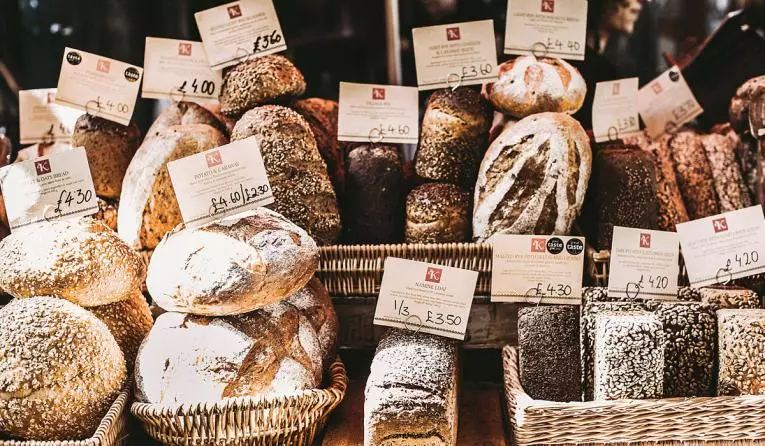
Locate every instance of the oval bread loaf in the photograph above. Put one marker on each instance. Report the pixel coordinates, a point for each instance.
(694, 174)
(314, 303)
(438, 213)
(321, 115)
(183, 113)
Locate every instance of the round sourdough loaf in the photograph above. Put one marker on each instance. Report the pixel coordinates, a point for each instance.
(60, 371)
(79, 260)
(129, 321)
(231, 266)
(182, 113)
(313, 302)
(528, 85)
(533, 178)
(438, 213)
(321, 115)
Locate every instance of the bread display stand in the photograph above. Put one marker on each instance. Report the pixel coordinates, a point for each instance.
(724, 420)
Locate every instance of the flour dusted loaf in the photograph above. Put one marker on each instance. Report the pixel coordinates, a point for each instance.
(60, 371)
(80, 260)
(528, 85)
(694, 174)
(129, 321)
(231, 266)
(533, 178)
(183, 113)
(321, 115)
(438, 213)
(411, 393)
(298, 176)
(314, 303)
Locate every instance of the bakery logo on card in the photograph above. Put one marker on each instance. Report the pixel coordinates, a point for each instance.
(50, 97)
(453, 33)
(645, 240)
(720, 225)
(433, 275)
(42, 167)
(538, 245)
(184, 49)
(656, 87)
(378, 94)
(548, 5)
(103, 66)
(213, 159)
(73, 57)
(234, 11)
(616, 89)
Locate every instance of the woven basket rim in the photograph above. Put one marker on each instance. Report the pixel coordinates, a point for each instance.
(384, 246)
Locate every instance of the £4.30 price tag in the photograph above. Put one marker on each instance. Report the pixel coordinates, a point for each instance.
(644, 264)
(177, 70)
(425, 297)
(42, 120)
(666, 103)
(556, 28)
(375, 113)
(615, 110)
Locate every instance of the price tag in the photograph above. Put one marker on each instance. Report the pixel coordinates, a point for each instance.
(238, 30)
(644, 264)
(48, 188)
(425, 297)
(537, 269)
(724, 247)
(42, 120)
(221, 181)
(555, 28)
(667, 103)
(615, 110)
(378, 113)
(453, 55)
(103, 87)
(178, 70)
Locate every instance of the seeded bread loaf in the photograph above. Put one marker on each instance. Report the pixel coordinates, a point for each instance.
(438, 213)
(720, 149)
(314, 303)
(129, 321)
(694, 174)
(321, 115)
(183, 113)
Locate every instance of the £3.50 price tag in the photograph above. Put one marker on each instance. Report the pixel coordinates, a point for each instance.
(556, 28)
(425, 297)
(378, 113)
(219, 182)
(615, 109)
(42, 120)
(666, 103)
(644, 264)
(177, 70)
(48, 188)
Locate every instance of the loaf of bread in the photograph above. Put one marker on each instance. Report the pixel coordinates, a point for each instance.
(694, 174)
(259, 81)
(314, 303)
(373, 205)
(740, 103)
(80, 260)
(438, 213)
(183, 113)
(148, 208)
(528, 85)
(499, 123)
(61, 369)
(321, 115)
(455, 129)
(42, 149)
(533, 178)
(231, 266)
(298, 176)
(129, 321)
(411, 393)
(720, 149)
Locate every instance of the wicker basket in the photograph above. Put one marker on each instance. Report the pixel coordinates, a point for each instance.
(675, 421)
(112, 431)
(289, 420)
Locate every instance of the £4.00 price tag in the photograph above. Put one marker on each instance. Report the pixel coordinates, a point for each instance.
(644, 264)
(615, 109)
(537, 269)
(42, 120)
(178, 69)
(425, 297)
(666, 103)
(378, 113)
(48, 188)
(453, 55)
(221, 181)
(101, 86)
(724, 247)
(546, 27)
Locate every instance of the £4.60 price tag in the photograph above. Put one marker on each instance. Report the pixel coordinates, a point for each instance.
(537, 269)
(42, 120)
(666, 103)
(374, 113)
(425, 297)
(724, 247)
(557, 28)
(221, 181)
(615, 109)
(644, 264)
(48, 188)
(178, 69)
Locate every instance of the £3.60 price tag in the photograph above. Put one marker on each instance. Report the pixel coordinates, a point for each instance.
(556, 28)
(666, 103)
(425, 297)
(615, 110)
(177, 70)
(644, 264)
(378, 113)
(42, 120)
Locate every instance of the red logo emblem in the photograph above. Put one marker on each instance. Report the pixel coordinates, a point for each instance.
(184, 49)
(548, 5)
(616, 89)
(433, 275)
(453, 33)
(645, 240)
(103, 66)
(50, 97)
(720, 225)
(378, 94)
(213, 159)
(538, 245)
(656, 87)
(234, 11)
(42, 167)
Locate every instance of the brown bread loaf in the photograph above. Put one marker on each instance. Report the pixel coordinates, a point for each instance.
(182, 113)
(740, 103)
(129, 321)
(321, 115)
(720, 148)
(694, 174)
(438, 213)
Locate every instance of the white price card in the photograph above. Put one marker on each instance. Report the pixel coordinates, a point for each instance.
(238, 30)
(456, 54)
(555, 28)
(178, 70)
(615, 110)
(543, 269)
(724, 247)
(644, 264)
(378, 113)
(48, 188)
(42, 120)
(221, 181)
(666, 103)
(103, 87)
(425, 297)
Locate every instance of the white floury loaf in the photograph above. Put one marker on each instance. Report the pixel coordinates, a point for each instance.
(533, 178)
(313, 302)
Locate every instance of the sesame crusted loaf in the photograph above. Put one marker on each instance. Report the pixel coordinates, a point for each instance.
(231, 266)
(314, 303)
(321, 115)
(438, 213)
(181, 113)
(60, 371)
(298, 176)
(129, 321)
(80, 260)
(411, 393)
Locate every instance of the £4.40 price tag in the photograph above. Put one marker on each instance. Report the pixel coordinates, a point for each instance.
(556, 28)
(178, 69)
(644, 264)
(42, 120)
(666, 103)
(615, 109)
(378, 113)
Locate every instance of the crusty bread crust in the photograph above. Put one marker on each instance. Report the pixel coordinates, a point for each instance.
(438, 213)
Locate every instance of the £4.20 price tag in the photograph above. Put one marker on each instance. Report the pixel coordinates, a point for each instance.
(177, 70)
(644, 264)
(425, 297)
(375, 113)
(556, 28)
(42, 120)
(615, 110)
(666, 103)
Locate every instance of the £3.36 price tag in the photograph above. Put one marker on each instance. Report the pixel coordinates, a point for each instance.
(177, 70)
(644, 264)
(425, 297)
(219, 182)
(666, 103)
(377, 113)
(615, 110)
(42, 120)
(556, 28)
(48, 188)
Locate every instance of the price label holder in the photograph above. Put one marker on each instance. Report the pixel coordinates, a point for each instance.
(48, 188)
(455, 55)
(666, 103)
(537, 269)
(644, 264)
(235, 31)
(226, 180)
(384, 112)
(556, 28)
(100, 86)
(724, 247)
(178, 70)
(41, 120)
(424, 297)
(615, 110)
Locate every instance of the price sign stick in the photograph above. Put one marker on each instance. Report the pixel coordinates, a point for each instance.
(48, 137)
(638, 286)
(449, 81)
(613, 136)
(176, 90)
(375, 136)
(419, 323)
(87, 107)
(539, 50)
(725, 269)
(536, 293)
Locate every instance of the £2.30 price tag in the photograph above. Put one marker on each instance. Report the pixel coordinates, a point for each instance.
(177, 70)
(666, 103)
(644, 264)
(615, 110)
(378, 113)
(425, 297)
(555, 28)
(42, 120)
